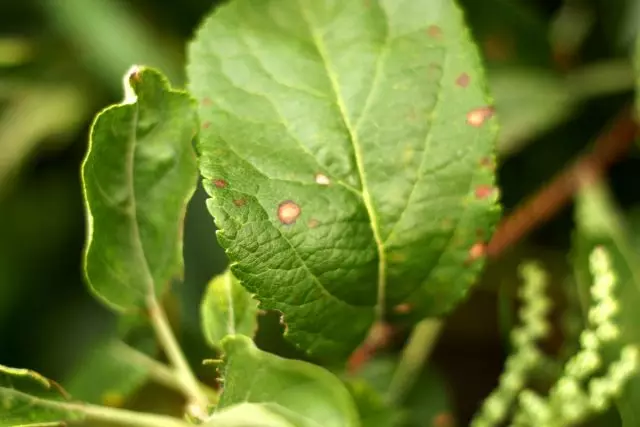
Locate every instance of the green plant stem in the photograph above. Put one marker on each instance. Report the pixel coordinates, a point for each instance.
(183, 373)
(103, 414)
(415, 353)
(158, 371)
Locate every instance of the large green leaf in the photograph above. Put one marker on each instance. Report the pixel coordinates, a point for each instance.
(138, 175)
(227, 309)
(308, 391)
(600, 224)
(348, 150)
(27, 398)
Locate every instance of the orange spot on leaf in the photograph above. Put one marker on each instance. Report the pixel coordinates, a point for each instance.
(240, 202)
(434, 31)
(402, 308)
(288, 212)
(207, 102)
(478, 116)
(477, 251)
(463, 80)
(443, 419)
(220, 183)
(313, 223)
(205, 125)
(484, 191)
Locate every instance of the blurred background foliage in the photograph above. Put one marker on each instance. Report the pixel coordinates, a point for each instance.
(558, 70)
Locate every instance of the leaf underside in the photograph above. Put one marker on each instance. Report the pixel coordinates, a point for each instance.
(308, 391)
(30, 399)
(138, 175)
(227, 309)
(347, 147)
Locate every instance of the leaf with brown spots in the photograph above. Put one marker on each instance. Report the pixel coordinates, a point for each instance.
(356, 133)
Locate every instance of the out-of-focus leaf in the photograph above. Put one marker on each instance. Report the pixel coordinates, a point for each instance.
(306, 390)
(510, 33)
(138, 176)
(107, 376)
(27, 398)
(427, 403)
(600, 224)
(227, 309)
(347, 148)
(373, 410)
(33, 114)
(110, 38)
(528, 102)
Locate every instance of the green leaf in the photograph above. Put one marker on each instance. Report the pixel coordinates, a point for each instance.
(107, 376)
(258, 415)
(227, 309)
(138, 175)
(306, 390)
(29, 399)
(348, 151)
(373, 410)
(529, 102)
(600, 224)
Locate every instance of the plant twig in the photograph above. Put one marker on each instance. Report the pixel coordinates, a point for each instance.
(543, 205)
(121, 417)
(158, 371)
(421, 341)
(183, 373)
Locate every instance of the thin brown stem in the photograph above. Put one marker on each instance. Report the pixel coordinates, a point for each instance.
(543, 205)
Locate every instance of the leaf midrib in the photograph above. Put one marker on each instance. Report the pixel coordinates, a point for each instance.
(136, 238)
(358, 155)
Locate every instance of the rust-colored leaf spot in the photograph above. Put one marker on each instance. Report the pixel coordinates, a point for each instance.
(402, 308)
(206, 125)
(487, 162)
(240, 202)
(478, 116)
(220, 183)
(434, 31)
(463, 80)
(484, 191)
(322, 179)
(477, 251)
(313, 223)
(207, 102)
(443, 419)
(288, 212)
(134, 74)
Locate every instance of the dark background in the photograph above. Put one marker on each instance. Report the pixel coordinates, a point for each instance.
(61, 61)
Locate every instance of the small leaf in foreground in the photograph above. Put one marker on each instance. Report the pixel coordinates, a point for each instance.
(600, 224)
(227, 309)
(348, 151)
(138, 175)
(28, 398)
(306, 390)
(257, 415)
